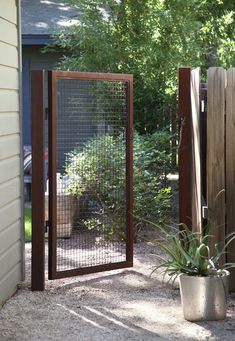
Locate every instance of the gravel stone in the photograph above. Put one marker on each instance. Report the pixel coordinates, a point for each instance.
(119, 305)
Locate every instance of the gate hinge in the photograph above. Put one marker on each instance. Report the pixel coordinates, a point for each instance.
(47, 225)
(204, 212)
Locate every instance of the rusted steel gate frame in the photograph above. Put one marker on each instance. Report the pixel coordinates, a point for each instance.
(52, 77)
(38, 181)
(38, 176)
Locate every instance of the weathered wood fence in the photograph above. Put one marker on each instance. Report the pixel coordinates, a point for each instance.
(207, 153)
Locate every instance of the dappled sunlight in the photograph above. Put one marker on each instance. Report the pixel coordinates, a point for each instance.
(41, 25)
(72, 312)
(134, 279)
(123, 304)
(151, 312)
(107, 321)
(47, 17)
(107, 316)
(67, 23)
(152, 317)
(191, 331)
(162, 318)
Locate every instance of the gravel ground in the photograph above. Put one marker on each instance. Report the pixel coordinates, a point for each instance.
(116, 305)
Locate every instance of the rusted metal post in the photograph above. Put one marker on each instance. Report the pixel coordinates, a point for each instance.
(52, 175)
(129, 178)
(185, 148)
(38, 181)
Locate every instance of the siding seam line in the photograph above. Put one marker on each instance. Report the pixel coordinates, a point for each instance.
(18, 241)
(9, 272)
(9, 44)
(11, 203)
(11, 22)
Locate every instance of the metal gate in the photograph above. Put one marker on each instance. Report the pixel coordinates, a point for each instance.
(90, 139)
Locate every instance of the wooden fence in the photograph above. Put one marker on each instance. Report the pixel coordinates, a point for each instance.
(207, 153)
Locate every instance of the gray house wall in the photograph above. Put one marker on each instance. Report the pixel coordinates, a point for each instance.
(11, 222)
(40, 20)
(33, 59)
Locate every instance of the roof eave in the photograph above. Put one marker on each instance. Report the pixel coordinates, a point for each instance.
(36, 39)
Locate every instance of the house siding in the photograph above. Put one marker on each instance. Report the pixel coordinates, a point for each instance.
(11, 222)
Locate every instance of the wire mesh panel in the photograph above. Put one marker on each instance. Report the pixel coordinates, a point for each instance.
(90, 168)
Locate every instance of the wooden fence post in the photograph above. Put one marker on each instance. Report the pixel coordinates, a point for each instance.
(185, 148)
(196, 157)
(203, 142)
(189, 149)
(216, 79)
(230, 168)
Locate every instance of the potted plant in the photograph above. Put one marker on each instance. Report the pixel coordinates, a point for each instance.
(203, 277)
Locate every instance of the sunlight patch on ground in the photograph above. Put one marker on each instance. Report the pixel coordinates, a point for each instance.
(111, 319)
(157, 316)
(151, 312)
(85, 319)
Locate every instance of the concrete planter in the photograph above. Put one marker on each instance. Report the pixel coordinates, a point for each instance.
(204, 298)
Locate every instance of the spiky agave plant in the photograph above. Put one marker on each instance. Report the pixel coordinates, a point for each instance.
(188, 252)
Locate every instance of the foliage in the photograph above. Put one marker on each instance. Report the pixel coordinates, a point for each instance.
(28, 224)
(98, 176)
(191, 253)
(152, 160)
(149, 39)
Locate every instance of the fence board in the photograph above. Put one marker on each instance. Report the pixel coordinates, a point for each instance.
(230, 166)
(215, 155)
(196, 162)
(203, 141)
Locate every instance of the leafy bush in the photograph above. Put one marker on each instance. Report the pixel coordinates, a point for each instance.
(149, 39)
(152, 160)
(97, 173)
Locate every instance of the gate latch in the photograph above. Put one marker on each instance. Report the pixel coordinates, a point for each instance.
(47, 225)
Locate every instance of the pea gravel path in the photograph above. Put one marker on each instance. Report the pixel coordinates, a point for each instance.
(118, 305)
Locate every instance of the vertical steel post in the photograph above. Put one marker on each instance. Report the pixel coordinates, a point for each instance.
(185, 148)
(38, 181)
(129, 175)
(52, 175)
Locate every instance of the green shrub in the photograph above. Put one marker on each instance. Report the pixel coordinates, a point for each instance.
(152, 162)
(97, 176)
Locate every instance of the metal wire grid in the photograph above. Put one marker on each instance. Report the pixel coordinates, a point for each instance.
(90, 229)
